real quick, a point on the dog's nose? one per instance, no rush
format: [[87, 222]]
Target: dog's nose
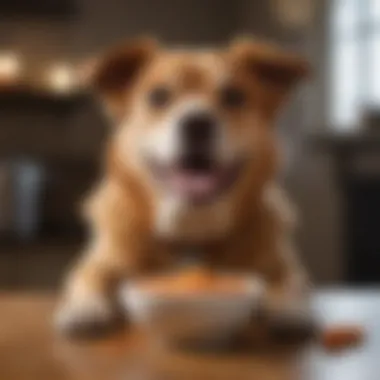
[[198, 130]]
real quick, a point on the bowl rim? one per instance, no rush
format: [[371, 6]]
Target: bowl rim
[[254, 289]]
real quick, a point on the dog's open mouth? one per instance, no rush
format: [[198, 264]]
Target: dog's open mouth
[[197, 179]]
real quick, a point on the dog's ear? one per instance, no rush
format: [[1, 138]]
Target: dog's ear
[[274, 71], [113, 75]]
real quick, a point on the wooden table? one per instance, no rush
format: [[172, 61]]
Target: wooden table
[[30, 350]]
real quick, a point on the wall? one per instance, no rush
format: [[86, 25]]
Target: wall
[[101, 23]]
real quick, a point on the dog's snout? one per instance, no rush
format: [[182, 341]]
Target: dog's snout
[[198, 129]]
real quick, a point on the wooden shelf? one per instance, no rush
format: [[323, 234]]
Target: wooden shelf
[[26, 98]]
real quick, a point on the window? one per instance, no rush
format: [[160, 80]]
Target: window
[[355, 63]]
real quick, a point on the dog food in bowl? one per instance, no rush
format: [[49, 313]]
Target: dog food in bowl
[[196, 281]]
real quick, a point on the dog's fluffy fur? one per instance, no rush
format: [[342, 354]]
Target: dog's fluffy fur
[[134, 222]]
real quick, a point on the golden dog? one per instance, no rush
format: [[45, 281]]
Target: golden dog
[[192, 162]]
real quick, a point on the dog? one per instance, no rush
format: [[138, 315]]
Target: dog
[[191, 163]]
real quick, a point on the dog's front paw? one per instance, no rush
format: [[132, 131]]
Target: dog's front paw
[[292, 328], [88, 317]]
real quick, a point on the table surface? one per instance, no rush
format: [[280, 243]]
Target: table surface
[[30, 350]]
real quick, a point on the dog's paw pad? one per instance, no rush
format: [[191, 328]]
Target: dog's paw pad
[[292, 330], [85, 319]]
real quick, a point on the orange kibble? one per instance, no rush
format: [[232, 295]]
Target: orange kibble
[[196, 280], [342, 337]]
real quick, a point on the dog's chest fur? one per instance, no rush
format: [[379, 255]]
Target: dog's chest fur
[[177, 220]]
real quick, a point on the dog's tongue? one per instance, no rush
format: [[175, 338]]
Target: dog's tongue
[[196, 186]]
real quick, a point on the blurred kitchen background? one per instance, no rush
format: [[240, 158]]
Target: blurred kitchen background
[[52, 132]]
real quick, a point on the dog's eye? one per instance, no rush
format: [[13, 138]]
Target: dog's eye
[[159, 97], [232, 97]]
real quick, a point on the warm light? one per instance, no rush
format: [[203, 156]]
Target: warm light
[[10, 67], [62, 78], [294, 13]]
